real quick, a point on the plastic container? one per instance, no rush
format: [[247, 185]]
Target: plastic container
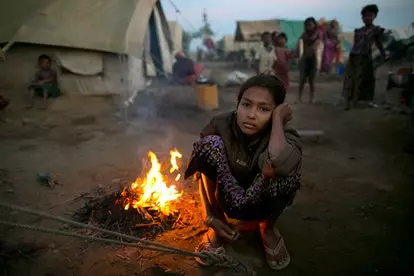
[[340, 69], [207, 96]]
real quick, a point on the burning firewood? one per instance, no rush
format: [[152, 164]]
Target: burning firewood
[[147, 207]]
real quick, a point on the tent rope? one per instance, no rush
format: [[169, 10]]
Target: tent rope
[[218, 258]]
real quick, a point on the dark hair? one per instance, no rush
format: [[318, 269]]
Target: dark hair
[[265, 33], [283, 35], [273, 84], [44, 57], [310, 19], [370, 8], [274, 35]]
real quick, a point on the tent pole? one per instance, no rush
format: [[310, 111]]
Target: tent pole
[[5, 49]]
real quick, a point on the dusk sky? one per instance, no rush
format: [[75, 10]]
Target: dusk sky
[[224, 13]]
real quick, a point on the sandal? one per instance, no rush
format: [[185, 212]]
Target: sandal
[[209, 243], [275, 259]]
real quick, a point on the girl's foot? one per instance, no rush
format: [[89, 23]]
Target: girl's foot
[[210, 243], [277, 256]]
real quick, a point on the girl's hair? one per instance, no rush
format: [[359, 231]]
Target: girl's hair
[[283, 35], [271, 83], [265, 34], [310, 19], [370, 8]]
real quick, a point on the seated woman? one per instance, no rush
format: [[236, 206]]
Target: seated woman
[[249, 163], [185, 71]]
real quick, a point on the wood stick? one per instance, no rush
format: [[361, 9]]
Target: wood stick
[[141, 225]]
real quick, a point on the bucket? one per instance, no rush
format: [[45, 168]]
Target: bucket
[[207, 96], [340, 69]]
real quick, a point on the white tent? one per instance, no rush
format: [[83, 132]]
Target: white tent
[[100, 46], [177, 35]]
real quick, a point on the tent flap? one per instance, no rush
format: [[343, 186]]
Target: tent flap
[[80, 62]]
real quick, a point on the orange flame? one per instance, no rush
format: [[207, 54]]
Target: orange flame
[[153, 191]]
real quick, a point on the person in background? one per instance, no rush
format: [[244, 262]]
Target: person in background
[[266, 55], [359, 80], [45, 82], [274, 36], [338, 54], [252, 58], [330, 47], [310, 51], [283, 56], [185, 71], [249, 166], [4, 102]]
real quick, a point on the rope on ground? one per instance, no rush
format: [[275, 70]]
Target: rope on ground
[[220, 259]]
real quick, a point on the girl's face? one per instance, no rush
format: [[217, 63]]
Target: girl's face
[[281, 41], [310, 26], [368, 18], [254, 111]]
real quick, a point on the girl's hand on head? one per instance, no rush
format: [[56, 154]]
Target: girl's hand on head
[[283, 112]]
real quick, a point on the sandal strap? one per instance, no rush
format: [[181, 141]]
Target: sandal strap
[[209, 220], [274, 251]]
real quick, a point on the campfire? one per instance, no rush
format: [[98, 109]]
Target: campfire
[[148, 205], [153, 192]]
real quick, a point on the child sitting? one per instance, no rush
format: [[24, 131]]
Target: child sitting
[[283, 56], [44, 83]]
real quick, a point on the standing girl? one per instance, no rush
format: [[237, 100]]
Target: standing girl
[[359, 82], [250, 165], [309, 57], [330, 47], [283, 56]]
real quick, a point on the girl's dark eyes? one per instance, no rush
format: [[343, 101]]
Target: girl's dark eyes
[[264, 109]]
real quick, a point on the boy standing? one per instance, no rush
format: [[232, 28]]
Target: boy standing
[[266, 55]]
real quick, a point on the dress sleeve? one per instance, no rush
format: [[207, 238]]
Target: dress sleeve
[[289, 160]]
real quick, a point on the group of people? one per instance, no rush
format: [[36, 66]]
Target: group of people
[[319, 49], [316, 50], [248, 161]]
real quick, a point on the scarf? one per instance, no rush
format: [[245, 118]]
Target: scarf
[[238, 146]]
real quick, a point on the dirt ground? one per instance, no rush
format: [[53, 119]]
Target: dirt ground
[[352, 216]]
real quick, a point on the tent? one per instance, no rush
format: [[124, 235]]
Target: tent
[[176, 35], [251, 31], [100, 47], [293, 29], [399, 39]]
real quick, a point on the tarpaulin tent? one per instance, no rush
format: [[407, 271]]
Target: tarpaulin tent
[[251, 31], [293, 29], [102, 47], [400, 38]]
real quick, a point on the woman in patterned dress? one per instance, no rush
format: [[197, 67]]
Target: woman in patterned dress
[[359, 82], [249, 164]]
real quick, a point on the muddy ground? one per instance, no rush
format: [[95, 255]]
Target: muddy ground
[[352, 216]]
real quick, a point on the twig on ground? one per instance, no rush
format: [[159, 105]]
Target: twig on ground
[[198, 233]]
